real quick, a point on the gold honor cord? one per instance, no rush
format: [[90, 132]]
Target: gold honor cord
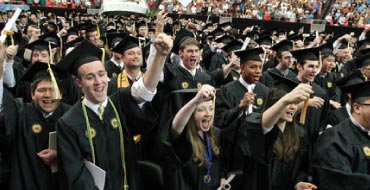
[[121, 138]]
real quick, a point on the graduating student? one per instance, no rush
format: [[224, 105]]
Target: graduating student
[[235, 100], [193, 143], [318, 105], [28, 125], [40, 53], [284, 62], [99, 128], [326, 78], [131, 55], [338, 115], [114, 66], [273, 145], [289, 164], [231, 70], [341, 155]]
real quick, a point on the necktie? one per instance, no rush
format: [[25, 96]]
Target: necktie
[[101, 111], [250, 106]]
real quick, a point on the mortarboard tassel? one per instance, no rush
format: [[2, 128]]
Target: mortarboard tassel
[[56, 92], [102, 55]]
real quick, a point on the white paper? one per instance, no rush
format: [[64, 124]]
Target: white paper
[[97, 173], [53, 145], [185, 3], [245, 44], [10, 24]]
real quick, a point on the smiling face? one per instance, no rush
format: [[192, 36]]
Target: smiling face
[[328, 64], [290, 111], [251, 71], [203, 116], [308, 71], [133, 57], [42, 96], [92, 79]]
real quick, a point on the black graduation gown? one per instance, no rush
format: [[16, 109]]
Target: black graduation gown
[[228, 99], [342, 158], [328, 83], [286, 174], [217, 62], [182, 172], [176, 78], [112, 69], [220, 80], [337, 116], [316, 118], [5, 138], [29, 136], [256, 149], [269, 81], [73, 144], [230, 117]]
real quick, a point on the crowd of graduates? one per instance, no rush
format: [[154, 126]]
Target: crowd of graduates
[[177, 104]]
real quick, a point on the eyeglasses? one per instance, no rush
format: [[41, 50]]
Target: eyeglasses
[[365, 104]]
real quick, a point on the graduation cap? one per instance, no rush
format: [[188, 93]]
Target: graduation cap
[[232, 46], [51, 37], [283, 83], [127, 43], [72, 31], [296, 37], [180, 97], [217, 32], [88, 27], [40, 44], [363, 46], [141, 24], [327, 49], [180, 37], [354, 77], [75, 42], [225, 39], [53, 26], [111, 26], [168, 29], [113, 38], [264, 40], [80, 55], [22, 16], [252, 54], [311, 54], [39, 71], [284, 45], [363, 61], [358, 90]]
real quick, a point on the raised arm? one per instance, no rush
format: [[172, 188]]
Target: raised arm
[[271, 116], [163, 44], [183, 115]]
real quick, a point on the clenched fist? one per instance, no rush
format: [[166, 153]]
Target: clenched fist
[[163, 44]]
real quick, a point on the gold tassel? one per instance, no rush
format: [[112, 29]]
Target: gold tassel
[[56, 92], [98, 29], [103, 55]]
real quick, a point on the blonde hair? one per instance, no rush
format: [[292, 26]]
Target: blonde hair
[[197, 144]]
